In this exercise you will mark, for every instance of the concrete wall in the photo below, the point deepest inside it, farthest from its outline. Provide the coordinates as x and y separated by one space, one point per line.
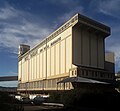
88 48
110 62
51 62
80 41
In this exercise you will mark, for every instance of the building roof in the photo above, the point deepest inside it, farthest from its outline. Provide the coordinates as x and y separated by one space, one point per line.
90 23
81 80
77 18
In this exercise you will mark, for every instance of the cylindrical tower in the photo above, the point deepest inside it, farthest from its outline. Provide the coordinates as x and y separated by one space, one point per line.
23 49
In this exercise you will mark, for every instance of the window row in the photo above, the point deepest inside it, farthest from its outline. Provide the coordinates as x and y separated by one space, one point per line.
95 74
45 85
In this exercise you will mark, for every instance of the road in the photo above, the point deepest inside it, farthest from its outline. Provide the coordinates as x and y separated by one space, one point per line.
39 107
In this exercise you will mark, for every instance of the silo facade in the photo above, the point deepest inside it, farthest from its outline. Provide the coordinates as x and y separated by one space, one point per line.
74 50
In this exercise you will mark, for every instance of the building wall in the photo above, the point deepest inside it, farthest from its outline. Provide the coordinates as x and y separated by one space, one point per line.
37 66
88 48
79 42
19 71
110 62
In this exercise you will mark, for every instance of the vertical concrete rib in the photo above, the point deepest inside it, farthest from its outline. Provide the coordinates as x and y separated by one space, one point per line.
46 58
97 53
65 55
89 48
54 60
81 45
60 58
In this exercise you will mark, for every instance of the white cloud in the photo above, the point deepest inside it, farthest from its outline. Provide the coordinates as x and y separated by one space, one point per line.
10 41
64 2
110 7
68 15
6 13
107 7
16 28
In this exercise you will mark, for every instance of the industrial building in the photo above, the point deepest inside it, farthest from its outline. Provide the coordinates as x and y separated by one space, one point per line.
73 54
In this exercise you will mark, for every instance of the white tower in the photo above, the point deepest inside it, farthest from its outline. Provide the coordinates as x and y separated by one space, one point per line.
23 49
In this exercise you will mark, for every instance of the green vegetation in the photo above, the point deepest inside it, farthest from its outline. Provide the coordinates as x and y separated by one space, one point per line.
87 99
55 97
8 103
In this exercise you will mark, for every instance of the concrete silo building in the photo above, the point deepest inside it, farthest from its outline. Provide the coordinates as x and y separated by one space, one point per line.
72 55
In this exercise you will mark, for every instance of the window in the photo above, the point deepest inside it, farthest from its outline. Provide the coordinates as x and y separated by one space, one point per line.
75 72
101 75
86 73
95 74
72 73
92 73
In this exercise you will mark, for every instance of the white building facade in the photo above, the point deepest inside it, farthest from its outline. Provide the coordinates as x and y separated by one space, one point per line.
76 49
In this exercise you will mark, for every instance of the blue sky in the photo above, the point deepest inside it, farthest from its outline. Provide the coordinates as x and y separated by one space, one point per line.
29 21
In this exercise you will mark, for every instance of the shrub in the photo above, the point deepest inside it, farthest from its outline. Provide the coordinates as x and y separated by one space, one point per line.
87 98
54 97
8 103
